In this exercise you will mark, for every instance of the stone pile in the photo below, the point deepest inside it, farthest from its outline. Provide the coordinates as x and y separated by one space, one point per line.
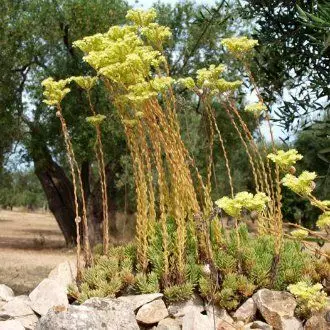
47 308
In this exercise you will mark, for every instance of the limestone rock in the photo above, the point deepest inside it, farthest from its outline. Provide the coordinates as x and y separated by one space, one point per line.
291 323
95 313
275 306
11 325
194 320
179 309
152 312
139 300
246 312
169 324
18 309
6 293
258 325
318 321
64 274
46 295
219 316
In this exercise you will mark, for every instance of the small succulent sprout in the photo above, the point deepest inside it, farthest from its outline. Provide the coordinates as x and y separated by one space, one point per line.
54 90
285 159
141 17
323 221
256 108
299 234
96 120
187 82
86 82
302 185
239 45
243 200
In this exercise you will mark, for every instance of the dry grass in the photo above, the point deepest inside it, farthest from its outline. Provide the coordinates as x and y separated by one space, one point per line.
31 244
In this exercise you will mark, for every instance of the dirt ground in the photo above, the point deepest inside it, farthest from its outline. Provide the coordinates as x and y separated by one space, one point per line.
31 244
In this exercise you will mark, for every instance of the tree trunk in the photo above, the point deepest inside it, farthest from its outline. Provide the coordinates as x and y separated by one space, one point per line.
56 185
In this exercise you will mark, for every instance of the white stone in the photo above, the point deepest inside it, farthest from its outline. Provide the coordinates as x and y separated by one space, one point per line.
275 306
291 323
169 324
93 314
152 312
246 312
64 274
179 309
18 308
139 300
11 325
258 325
220 317
6 293
194 320
46 295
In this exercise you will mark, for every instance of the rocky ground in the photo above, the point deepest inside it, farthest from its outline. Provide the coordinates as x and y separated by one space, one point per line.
47 308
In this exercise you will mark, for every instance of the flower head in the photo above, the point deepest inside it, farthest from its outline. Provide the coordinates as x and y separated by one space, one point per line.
141 17
243 200
323 221
256 108
54 90
187 82
96 120
285 159
299 234
301 185
85 82
239 45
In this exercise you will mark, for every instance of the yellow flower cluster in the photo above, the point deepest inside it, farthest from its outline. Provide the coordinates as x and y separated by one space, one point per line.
96 120
323 221
156 34
239 45
243 200
285 159
256 108
54 90
301 185
85 82
187 82
141 17
208 79
310 298
124 57
299 234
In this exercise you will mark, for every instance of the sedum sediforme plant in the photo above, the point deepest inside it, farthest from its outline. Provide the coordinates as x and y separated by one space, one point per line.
310 298
178 235
54 94
303 185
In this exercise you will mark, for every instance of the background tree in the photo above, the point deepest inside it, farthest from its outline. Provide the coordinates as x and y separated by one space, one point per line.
293 63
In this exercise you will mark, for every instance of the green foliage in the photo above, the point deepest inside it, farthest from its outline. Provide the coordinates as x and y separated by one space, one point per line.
179 292
21 189
310 298
109 275
147 283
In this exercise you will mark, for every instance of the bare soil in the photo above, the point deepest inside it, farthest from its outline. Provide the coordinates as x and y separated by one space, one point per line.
31 245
